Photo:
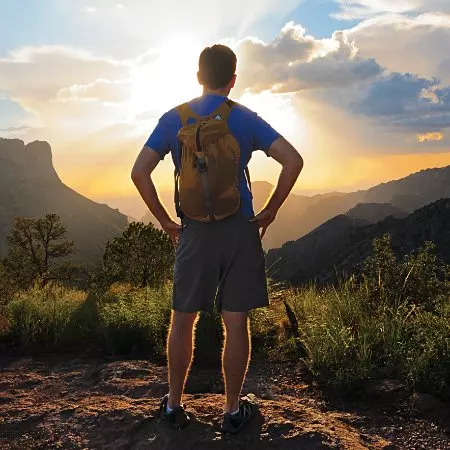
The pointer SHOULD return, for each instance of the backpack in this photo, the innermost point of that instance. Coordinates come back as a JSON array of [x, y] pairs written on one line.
[[207, 180]]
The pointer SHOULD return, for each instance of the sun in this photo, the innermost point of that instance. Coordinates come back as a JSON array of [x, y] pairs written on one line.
[[166, 77]]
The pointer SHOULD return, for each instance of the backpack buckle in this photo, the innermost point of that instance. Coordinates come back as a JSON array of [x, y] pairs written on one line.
[[201, 164]]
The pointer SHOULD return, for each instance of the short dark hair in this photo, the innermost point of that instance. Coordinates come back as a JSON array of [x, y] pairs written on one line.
[[217, 65]]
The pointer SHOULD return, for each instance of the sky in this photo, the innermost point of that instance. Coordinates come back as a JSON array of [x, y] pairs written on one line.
[[360, 87]]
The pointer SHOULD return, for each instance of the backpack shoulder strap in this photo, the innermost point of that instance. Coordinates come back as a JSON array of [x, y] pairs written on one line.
[[249, 181], [224, 109], [186, 112]]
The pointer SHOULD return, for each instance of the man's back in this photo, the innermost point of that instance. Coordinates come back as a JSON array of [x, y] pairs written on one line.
[[251, 132]]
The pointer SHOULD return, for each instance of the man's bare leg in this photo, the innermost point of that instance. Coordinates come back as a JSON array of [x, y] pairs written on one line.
[[235, 356], [179, 354]]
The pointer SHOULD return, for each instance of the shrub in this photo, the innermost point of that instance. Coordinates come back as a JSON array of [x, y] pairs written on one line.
[[427, 362], [394, 323], [418, 279], [51, 317], [134, 319], [336, 333]]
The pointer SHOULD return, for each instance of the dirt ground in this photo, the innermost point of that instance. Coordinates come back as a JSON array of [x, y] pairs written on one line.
[[80, 402]]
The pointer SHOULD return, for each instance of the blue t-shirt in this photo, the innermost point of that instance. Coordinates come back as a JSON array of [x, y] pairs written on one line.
[[251, 132]]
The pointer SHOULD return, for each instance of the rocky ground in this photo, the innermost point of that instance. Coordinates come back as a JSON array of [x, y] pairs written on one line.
[[96, 403]]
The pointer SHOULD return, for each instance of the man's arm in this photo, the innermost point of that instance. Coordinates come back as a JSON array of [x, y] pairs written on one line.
[[292, 164], [141, 173]]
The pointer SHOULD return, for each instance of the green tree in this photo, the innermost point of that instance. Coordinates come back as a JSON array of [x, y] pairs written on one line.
[[142, 256], [419, 278], [38, 251]]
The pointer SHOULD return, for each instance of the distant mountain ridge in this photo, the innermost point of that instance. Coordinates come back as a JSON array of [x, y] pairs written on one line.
[[30, 186], [301, 214], [339, 246], [407, 194], [375, 212]]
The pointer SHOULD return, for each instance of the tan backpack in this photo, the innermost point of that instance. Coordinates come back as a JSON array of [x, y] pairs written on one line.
[[207, 182]]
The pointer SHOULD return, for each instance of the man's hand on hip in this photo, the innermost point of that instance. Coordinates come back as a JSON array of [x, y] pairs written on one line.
[[173, 229], [263, 220]]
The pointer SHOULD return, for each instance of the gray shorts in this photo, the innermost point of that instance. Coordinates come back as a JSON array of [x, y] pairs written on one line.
[[219, 262]]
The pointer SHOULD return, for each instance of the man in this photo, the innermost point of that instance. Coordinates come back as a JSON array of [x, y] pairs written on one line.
[[217, 259]]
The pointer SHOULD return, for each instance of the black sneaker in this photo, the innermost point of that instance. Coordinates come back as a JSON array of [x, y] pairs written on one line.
[[177, 418], [233, 423]]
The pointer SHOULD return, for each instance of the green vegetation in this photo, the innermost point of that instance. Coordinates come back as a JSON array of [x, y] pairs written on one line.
[[393, 323], [38, 251], [393, 320], [51, 317], [135, 320], [142, 256]]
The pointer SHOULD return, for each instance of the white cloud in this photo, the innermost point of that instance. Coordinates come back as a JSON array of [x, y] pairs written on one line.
[[406, 44], [102, 90], [35, 75], [362, 9], [295, 61]]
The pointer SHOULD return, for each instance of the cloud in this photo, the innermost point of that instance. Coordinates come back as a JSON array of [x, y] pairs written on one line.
[[429, 137], [14, 129], [408, 102], [362, 9], [34, 74], [295, 61], [406, 44], [66, 88], [102, 90]]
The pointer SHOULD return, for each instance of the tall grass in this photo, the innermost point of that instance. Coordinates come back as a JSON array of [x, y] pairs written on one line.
[[51, 317], [135, 320], [123, 319], [348, 341], [394, 322]]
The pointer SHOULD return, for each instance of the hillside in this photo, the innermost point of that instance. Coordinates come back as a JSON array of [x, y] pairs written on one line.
[[30, 186], [341, 244], [302, 214], [406, 194], [375, 212]]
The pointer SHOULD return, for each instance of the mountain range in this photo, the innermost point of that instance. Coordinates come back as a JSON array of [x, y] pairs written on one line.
[[308, 231], [339, 246], [301, 214], [30, 186]]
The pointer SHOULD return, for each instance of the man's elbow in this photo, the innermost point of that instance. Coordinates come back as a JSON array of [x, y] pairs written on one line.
[[137, 175], [297, 162]]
